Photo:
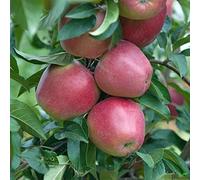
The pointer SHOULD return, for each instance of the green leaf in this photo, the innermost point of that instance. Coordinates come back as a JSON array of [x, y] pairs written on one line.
[[33, 81], [146, 158], [57, 172], [159, 90], [27, 14], [172, 176], [167, 25], [59, 59], [83, 1], [162, 40], [116, 36], [175, 163], [181, 42], [106, 174], [15, 150], [112, 14], [54, 14], [27, 118], [149, 116], [72, 131], [169, 137], [91, 158], [180, 62], [157, 155], [14, 65], [148, 172], [109, 32], [180, 32], [34, 158], [76, 27], [158, 170], [186, 52], [14, 126], [183, 119], [77, 155], [50, 157], [83, 162], [21, 80], [91, 155], [152, 102], [73, 151], [82, 11], [154, 173], [185, 4]]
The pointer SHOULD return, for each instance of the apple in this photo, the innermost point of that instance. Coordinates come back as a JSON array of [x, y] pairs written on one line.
[[143, 32], [169, 7], [124, 71], [85, 45], [177, 99], [67, 91], [116, 126], [141, 9]]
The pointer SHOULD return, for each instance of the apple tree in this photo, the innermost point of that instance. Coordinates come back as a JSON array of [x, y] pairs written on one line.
[[100, 89]]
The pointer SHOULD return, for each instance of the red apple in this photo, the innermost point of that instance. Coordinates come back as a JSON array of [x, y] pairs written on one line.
[[142, 32], [86, 45], [140, 9], [124, 71], [169, 7], [176, 100], [67, 91], [116, 126]]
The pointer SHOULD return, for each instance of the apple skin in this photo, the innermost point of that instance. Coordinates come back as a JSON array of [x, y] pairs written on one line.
[[142, 32], [124, 71], [169, 7], [176, 100], [68, 91], [140, 9], [116, 126], [85, 45]]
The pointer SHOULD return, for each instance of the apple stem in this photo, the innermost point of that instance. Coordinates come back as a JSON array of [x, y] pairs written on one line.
[[165, 63]]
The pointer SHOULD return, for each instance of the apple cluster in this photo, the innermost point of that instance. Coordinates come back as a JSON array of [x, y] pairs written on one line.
[[116, 124]]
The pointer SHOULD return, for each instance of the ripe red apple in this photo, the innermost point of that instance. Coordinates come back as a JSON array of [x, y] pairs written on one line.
[[67, 91], [143, 32], [116, 126], [141, 9], [169, 7], [124, 71], [86, 45], [176, 99]]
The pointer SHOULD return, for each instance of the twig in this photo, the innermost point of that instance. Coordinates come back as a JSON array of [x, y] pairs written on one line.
[[165, 63]]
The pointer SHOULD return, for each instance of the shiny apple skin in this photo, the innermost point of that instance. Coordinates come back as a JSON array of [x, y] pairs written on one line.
[[117, 126], [67, 92]]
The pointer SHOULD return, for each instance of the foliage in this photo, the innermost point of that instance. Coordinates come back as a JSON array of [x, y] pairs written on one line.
[[42, 148]]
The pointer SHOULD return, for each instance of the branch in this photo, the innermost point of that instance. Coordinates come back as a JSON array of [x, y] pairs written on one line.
[[165, 63]]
